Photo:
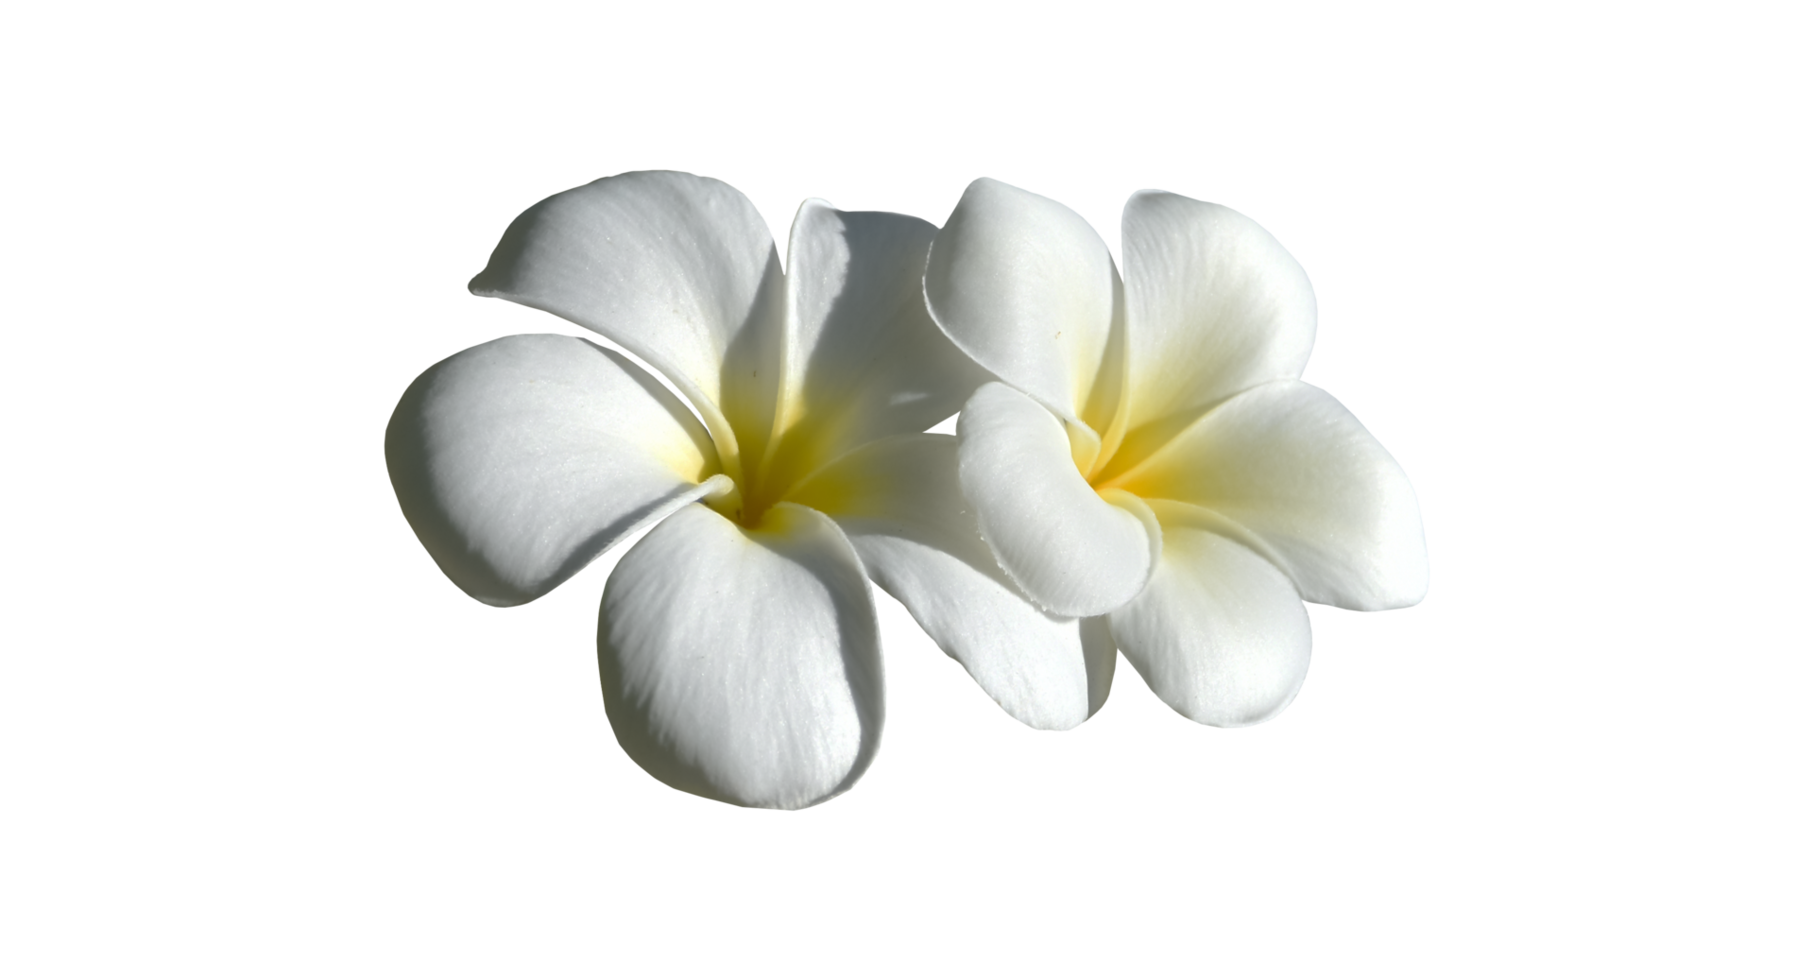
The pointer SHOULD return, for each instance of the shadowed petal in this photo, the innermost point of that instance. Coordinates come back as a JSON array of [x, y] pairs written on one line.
[[520, 460], [1219, 633], [864, 360], [1099, 657], [899, 501], [743, 665]]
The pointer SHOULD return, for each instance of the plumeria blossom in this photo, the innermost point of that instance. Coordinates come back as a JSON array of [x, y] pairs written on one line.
[[737, 640], [1149, 457]]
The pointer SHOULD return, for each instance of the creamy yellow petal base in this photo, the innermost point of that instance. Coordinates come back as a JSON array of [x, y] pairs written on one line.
[[1316, 492]]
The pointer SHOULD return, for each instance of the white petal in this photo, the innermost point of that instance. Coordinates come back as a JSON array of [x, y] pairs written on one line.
[[899, 502], [743, 665], [1302, 482], [1215, 305], [864, 359], [1219, 633], [519, 461], [1028, 289], [1099, 651], [1072, 551], [678, 269]]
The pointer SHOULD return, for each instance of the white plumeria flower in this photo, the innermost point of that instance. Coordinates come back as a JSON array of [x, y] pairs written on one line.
[[1152, 458], [737, 640]]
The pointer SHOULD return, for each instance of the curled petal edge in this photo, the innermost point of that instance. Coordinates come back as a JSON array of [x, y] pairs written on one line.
[[1073, 551]]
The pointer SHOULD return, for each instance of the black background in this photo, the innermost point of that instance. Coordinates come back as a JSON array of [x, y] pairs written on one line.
[[490, 717]]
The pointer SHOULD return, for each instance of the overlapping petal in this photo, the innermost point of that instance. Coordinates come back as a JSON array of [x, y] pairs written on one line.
[[742, 664], [1303, 483], [863, 359], [1217, 306], [520, 460], [1070, 549], [1023, 285], [678, 269], [899, 501], [1219, 633], [1178, 405], [721, 690]]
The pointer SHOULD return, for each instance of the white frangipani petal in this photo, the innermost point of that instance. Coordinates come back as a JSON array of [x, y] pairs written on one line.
[[1067, 547], [1023, 284], [520, 460], [1219, 633], [741, 664], [1176, 404], [678, 269], [863, 358], [1217, 306], [1304, 484], [1099, 650], [737, 642], [899, 502]]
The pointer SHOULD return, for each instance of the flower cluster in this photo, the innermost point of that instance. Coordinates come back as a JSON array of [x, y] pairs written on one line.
[[1137, 467]]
